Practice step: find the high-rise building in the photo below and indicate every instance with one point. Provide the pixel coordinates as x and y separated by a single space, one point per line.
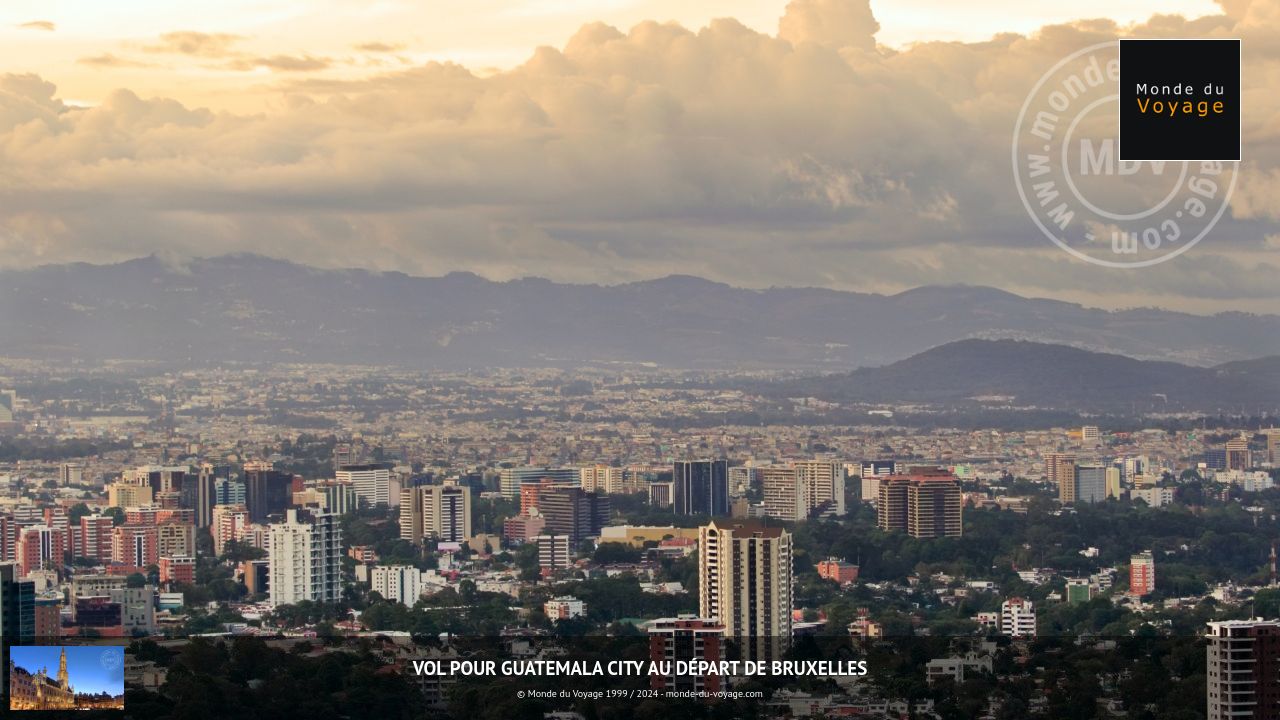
601 478
95 537
684 639
175 539
573 512
210 478
1142 574
17 605
869 475
1273 445
123 494
441 511
39 546
744 584
1238 454
135 546
398 583
371 481
305 559
925 504
1242 672
1091 483
701 487
554 553
1018 617
230 522
267 491
1090 435
511 480
1060 472
802 490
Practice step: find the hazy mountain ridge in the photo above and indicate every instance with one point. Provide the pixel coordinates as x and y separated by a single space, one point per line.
246 307
1010 372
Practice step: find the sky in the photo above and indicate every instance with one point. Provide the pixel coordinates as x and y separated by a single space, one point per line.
836 143
86 670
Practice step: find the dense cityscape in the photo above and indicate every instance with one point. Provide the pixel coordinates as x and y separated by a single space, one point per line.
382 515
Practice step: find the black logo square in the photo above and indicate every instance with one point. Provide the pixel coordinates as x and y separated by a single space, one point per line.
1179 99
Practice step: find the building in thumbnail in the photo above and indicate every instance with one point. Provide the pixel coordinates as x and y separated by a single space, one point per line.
305 559
35 690
1242 672
1142 574
701 487
924 504
1018 617
442 512
682 639
745 584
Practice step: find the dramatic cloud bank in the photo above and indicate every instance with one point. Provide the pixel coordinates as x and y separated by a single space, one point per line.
811 157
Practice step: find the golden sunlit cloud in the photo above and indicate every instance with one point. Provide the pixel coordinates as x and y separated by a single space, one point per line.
44 25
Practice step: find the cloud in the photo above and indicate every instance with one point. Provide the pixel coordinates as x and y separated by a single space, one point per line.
379 47
108 60
44 25
188 42
809 157
283 63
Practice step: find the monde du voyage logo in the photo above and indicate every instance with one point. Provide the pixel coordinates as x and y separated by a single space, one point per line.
1125 153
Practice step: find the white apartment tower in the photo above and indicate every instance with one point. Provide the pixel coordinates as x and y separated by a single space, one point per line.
305 559
744 584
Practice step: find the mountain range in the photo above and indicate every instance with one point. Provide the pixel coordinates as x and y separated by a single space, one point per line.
253 308
993 373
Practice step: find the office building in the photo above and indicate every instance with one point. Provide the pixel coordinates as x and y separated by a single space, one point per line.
371 482
268 492
1090 483
925 504
398 583
701 487
1090 435
1237 452
1018 617
1060 473
1242 670
745 584
70 474
601 478
17 605
511 480
554 553
439 512
573 512
123 494
305 559
208 479
1142 574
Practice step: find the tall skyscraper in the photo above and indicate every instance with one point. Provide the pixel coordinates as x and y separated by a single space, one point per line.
573 512
206 495
744 584
1242 670
925 504
701 487
1142 574
441 511
372 482
1060 472
305 559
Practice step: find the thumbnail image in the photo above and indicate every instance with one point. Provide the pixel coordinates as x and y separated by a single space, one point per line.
58 677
